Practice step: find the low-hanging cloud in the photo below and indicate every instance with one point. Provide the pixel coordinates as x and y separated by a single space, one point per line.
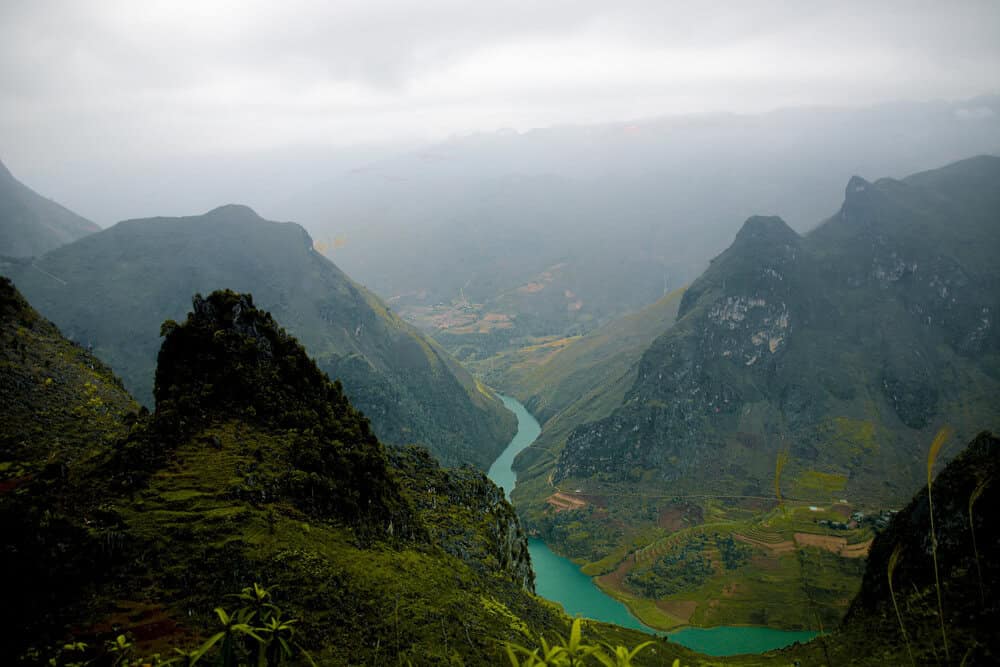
112 80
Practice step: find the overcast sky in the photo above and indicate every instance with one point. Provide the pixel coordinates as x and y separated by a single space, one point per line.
98 82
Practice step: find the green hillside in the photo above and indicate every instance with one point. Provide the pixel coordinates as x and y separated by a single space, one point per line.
256 468
110 291
31 225
551 376
60 405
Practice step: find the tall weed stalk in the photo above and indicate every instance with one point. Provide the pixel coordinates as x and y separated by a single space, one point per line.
893 562
932 455
978 491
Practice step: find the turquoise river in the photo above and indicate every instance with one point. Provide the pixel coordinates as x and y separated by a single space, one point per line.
559 579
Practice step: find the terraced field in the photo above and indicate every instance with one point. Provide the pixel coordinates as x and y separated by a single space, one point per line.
789 563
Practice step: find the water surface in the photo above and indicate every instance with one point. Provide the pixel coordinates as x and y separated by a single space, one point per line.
560 580
731 640
527 431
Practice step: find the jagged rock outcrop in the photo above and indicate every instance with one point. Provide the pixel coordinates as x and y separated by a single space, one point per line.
230 360
843 347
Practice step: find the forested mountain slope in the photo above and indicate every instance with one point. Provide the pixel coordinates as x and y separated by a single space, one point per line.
112 290
30 224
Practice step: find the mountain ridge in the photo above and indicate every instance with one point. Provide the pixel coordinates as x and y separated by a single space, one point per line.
31 224
818 368
761 294
100 292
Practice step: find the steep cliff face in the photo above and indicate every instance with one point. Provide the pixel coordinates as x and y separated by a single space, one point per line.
736 323
843 348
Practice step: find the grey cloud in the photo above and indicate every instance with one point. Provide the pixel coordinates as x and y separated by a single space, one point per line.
122 81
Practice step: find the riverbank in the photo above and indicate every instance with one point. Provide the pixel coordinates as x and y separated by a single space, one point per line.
603 598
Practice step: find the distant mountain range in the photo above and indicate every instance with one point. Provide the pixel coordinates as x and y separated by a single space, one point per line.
563 229
111 291
30 224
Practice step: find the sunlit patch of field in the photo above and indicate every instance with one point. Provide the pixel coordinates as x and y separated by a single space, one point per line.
562 502
794 571
531 288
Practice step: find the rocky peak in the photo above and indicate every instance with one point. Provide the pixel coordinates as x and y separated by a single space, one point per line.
765 230
230 361
230 357
855 187
861 200
755 265
5 172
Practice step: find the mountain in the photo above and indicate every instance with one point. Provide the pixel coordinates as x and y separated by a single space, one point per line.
800 384
255 467
843 347
111 290
30 224
506 224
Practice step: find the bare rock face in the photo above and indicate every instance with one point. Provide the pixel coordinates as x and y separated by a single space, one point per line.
882 317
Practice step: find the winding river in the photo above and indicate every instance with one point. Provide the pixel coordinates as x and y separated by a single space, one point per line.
559 579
